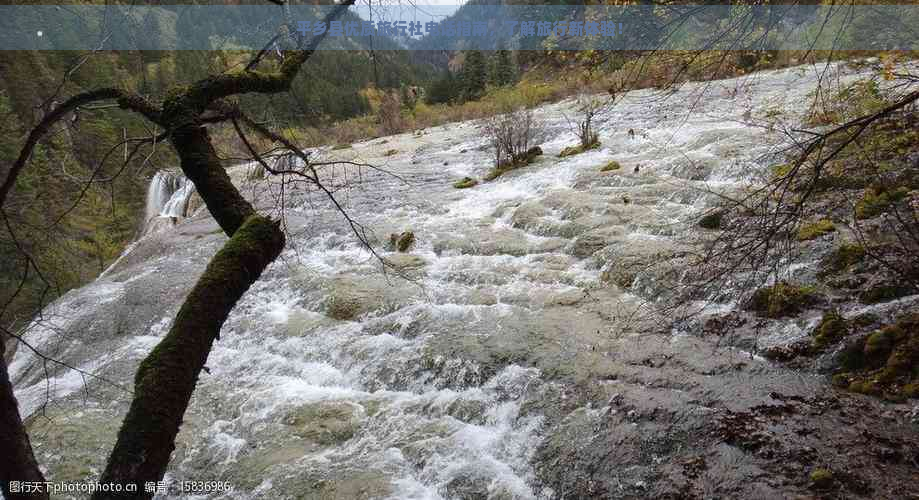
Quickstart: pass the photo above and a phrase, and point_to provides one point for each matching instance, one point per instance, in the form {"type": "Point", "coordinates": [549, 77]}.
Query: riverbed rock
{"type": "Point", "coordinates": [405, 261]}
{"type": "Point", "coordinates": [348, 297]}
{"type": "Point", "coordinates": [324, 423]}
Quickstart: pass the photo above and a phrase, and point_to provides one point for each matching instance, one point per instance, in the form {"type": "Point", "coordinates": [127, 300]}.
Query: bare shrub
{"type": "Point", "coordinates": [511, 135]}
{"type": "Point", "coordinates": [390, 114]}
{"type": "Point", "coordinates": [590, 109]}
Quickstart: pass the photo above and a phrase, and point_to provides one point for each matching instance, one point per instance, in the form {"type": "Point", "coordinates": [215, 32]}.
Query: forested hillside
{"type": "Point", "coordinates": [72, 242]}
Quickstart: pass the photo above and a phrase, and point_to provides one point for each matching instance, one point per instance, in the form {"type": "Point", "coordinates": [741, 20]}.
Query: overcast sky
{"type": "Point", "coordinates": [402, 10]}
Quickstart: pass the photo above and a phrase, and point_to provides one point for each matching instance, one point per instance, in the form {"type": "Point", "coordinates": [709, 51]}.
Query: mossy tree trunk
{"type": "Point", "coordinates": [17, 463]}
{"type": "Point", "coordinates": [166, 379]}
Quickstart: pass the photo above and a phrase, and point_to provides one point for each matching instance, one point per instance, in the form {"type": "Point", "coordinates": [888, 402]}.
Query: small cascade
{"type": "Point", "coordinates": [505, 358]}
{"type": "Point", "coordinates": [167, 198]}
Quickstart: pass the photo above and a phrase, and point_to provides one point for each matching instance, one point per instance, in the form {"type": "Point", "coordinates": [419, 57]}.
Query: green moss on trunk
{"type": "Point", "coordinates": [17, 463]}
{"type": "Point", "coordinates": [167, 377]}
{"type": "Point", "coordinates": [201, 165]}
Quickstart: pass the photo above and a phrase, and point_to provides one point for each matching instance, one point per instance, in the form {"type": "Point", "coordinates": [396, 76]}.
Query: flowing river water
{"type": "Point", "coordinates": [497, 358]}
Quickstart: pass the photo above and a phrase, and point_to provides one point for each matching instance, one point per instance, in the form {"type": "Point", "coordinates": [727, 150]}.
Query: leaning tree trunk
{"type": "Point", "coordinates": [166, 379]}
{"type": "Point", "coordinates": [17, 463]}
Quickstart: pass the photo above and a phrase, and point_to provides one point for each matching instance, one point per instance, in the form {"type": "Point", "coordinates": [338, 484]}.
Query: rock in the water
{"type": "Point", "coordinates": [589, 243]}
{"type": "Point", "coordinates": [405, 261]}
{"type": "Point", "coordinates": [465, 182]}
{"type": "Point", "coordinates": [402, 242]}
{"type": "Point", "coordinates": [528, 214]}
{"type": "Point", "coordinates": [194, 203]}
{"type": "Point", "coordinates": [324, 423]}
{"type": "Point", "coordinates": [349, 297]}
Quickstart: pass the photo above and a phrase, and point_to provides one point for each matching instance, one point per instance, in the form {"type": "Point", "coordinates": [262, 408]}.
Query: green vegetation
{"type": "Point", "coordinates": [781, 170]}
{"type": "Point", "coordinates": [815, 230]}
{"type": "Point", "coordinates": [504, 71]}
{"type": "Point", "coordinates": [883, 292]}
{"type": "Point", "coordinates": [611, 166]}
{"type": "Point", "coordinates": [886, 362]}
{"type": "Point", "coordinates": [859, 98]}
{"type": "Point", "coordinates": [402, 242]}
{"type": "Point", "coordinates": [474, 76]}
{"type": "Point", "coordinates": [831, 329]}
{"type": "Point", "coordinates": [465, 182]}
{"type": "Point", "coordinates": [878, 200]}
{"type": "Point", "coordinates": [822, 479]}
{"type": "Point", "coordinates": [576, 150]}
{"type": "Point", "coordinates": [88, 237]}
{"type": "Point", "coordinates": [782, 299]}
{"type": "Point", "coordinates": [711, 221]}
{"type": "Point", "coordinates": [843, 257]}
{"type": "Point", "coordinates": [479, 76]}
{"type": "Point", "coordinates": [85, 237]}
{"type": "Point", "coordinates": [515, 163]}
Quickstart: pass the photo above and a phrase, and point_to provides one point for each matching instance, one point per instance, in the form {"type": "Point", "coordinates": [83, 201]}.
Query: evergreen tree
{"type": "Point", "coordinates": [503, 72]}
{"type": "Point", "coordinates": [474, 76]}
{"type": "Point", "coordinates": [443, 90]}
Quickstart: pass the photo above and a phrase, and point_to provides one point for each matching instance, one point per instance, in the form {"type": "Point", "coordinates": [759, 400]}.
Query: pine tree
{"type": "Point", "coordinates": [504, 72]}
{"type": "Point", "coordinates": [474, 76]}
{"type": "Point", "coordinates": [443, 90]}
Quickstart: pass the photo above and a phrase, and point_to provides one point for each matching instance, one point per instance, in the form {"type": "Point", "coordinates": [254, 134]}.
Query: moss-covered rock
{"type": "Point", "coordinates": [324, 423]}
{"type": "Point", "coordinates": [402, 242]}
{"type": "Point", "coordinates": [405, 261]}
{"type": "Point", "coordinates": [842, 257]}
{"type": "Point", "coordinates": [711, 221]}
{"type": "Point", "coordinates": [782, 299]}
{"type": "Point", "coordinates": [339, 147]}
{"type": "Point", "coordinates": [911, 390]}
{"type": "Point", "coordinates": [822, 479]}
{"type": "Point", "coordinates": [580, 148]}
{"type": "Point", "coordinates": [611, 166]}
{"type": "Point", "coordinates": [349, 296]}
{"type": "Point", "coordinates": [883, 292]}
{"type": "Point", "coordinates": [465, 182]}
{"type": "Point", "coordinates": [879, 344]}
{"type": "Point", "coordinates": [815, 230]}
{"type": "Point", "coordinates": [831, 329]}
{"type": "Point", "coordinates": [878, 200]}
{"type": "Point", "coordinates": [518, 161]}
{"type": "Point", "coordinates": [781, 170]}
{"type": "Point", "coordinates": [391, 152]}
{"type": "Point", "coordinates": [886, 362]}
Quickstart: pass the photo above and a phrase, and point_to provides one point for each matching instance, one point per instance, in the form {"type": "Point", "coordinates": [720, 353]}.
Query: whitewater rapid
{"type": "Point", "coordinates": [432, 378]}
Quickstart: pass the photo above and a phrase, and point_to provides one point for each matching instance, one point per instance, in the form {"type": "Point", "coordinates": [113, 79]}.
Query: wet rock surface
{"type": "Point", "coordinates": [517, 347]}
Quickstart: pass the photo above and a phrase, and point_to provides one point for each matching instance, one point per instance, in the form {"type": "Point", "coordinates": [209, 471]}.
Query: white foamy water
{"type": "Point", "coordinates": [425, 392]}
{"type": "Point", "coordinates": [167, 195]}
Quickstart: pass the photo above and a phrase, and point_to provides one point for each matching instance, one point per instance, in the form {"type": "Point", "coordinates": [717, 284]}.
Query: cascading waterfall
{"type": "Point", "coordinates": [332, 381]}
{"type": "Point", "coordinates": [167, 196]}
